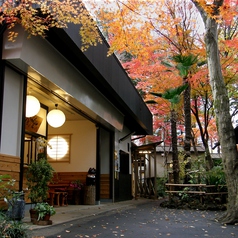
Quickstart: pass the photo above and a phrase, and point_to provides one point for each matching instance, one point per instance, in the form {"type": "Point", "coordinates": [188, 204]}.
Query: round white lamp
{"type": "Point", "coordinates": [55, 117]}
{"type": "Point", "coordinates": [32, 106]}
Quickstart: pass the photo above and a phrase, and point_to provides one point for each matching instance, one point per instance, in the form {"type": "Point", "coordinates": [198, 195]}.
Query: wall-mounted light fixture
{"type": "Point", "coordinates": [56, 117]}
{"type": "Point", "coordinates": [32, 106]}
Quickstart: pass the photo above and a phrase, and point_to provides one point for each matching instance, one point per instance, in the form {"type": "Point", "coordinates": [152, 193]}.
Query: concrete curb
{"type": "Point", "coordinates": [74, 212]}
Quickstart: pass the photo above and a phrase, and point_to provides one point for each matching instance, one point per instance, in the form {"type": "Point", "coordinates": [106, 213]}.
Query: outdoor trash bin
{"type": "Point", "coordinates": [91, 177]}
{"type": "Point", "coordinates": [89, 195]}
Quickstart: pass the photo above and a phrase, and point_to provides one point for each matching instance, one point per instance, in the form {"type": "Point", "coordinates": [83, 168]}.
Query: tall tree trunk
{"type": "Point", "coordinates": [208, 157]}
{"type": "Point", "coordinates": [174, 146]}
{"type": "Point", "coordinates": [204, 131]}
{"type": "Point", "coordinates": [188, 129]}
{"type": "Point", "coordinates": [221, 105]}
{"type": "Point", "coordinates": [187, 120]}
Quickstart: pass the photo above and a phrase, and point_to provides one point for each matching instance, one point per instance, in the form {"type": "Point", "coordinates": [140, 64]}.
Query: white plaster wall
{"type": "Point", "coordinates": [12, 113]}
{"type": "Point", "coordinates": [123, 145]}
{"type": "Point", "coordinates": [83, 146]}
{"type": "Point", "coordinates": [105, 152]}
{"type": "Point", "coordinates": [160, 168]}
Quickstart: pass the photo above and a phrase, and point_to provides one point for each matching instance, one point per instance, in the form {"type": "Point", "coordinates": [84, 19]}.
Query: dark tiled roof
{"type": "Point", "coordinates": [161, 149]}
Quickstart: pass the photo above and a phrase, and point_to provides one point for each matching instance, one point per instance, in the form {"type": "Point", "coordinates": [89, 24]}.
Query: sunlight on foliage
{"type": "Point", "coordinates": [38, 16]}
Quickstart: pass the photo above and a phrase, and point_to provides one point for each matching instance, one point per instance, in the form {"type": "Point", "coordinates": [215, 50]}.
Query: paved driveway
{"type": "Point", "coordinates": [147, 220]}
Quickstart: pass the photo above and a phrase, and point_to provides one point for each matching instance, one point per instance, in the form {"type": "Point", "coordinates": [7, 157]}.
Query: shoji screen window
{"type": "Point", "coordinates": [60, 148]}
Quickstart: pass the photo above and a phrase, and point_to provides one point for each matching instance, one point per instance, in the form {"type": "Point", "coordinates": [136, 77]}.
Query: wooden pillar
{"type": "Point", "coordinates": [155, 173]}
{"type": "Point", "coordinates": [140, 175]}
{"type": "Point", "coordinates": [98, 163]}
{"type": "Point", "coordinates": [136, 174]}
{"type": "Point", "coordinates": [149, 175]}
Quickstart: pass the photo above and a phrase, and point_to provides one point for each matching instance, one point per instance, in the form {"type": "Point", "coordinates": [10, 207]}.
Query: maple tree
{"type": "Point", "coordinates": [228, 33]}
{"type": "Point", "coordinates": [176, 36]}
{"type": "Point", "coordinates": [212, 14]}
{"type": "Point", "coordinates": [38, 16]}
{"type": "Point", "coordinates": [202, 110]}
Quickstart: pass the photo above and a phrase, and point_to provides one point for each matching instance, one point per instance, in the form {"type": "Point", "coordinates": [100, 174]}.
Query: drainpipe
{"type": "Point", "coordinates": [98, 164]}
{"type": "Point", "coordinates": [2, 30]}
{"type": "Point", "coordinates": [112, 167]}
{"type": "Point", "coordinates": [155, 173]}
{"type": "Point", "coordinates": [23, 134]}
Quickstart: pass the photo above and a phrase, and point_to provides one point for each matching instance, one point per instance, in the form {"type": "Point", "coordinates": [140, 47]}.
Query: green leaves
{"type": "Point", "coordinates": [184, 63]}
{"type": "Point", "coordinates": [43, 209]}
{"type": "Point", "coordinates": [171, 94]}
{"type": "Point", "coordinates": [38, 175]}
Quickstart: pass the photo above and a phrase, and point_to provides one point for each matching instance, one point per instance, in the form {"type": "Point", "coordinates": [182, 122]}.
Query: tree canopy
{"type": "Point", "coordinates": [38, 16]}
{"type": "Point", "coordinates": [151, 31]}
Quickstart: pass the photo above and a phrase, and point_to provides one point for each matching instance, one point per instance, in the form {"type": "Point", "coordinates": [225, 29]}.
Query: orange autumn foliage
{"type": "Point", "coordinates": [38, 16]}
{"type": "Point", "coordinates": [153, 31]}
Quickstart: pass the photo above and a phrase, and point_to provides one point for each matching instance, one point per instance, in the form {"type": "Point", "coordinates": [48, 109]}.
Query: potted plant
{"type": "Point", "coordinates": [38, 176]}
{"type": "Point", "coordinates": [76, 185]}
{"type": "Point", "coordinates": [44, 211]}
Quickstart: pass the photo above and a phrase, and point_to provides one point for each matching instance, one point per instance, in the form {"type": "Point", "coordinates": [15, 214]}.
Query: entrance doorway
{"type": "Point", "coordinates": [123, 182]}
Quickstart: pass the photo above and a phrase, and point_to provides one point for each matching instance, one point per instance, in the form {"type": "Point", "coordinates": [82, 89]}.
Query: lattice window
{"type": "Point", "coordinates": [60, 151]}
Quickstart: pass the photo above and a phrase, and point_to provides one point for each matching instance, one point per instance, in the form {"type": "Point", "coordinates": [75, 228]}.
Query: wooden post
{"type": "Point", "coordinates": [155, 174]}
{"type": "Point", "coordinates": [136, 175]}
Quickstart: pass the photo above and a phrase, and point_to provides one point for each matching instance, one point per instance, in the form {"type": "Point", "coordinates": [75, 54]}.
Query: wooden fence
{"type": "Point", "coordinates": [10, 165]}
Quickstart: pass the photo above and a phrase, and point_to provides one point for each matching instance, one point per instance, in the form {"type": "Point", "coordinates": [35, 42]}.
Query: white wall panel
{"type": "Point", "coordinates": [83, 146]}
{"type": "Point", "coordinates": [12, 113]}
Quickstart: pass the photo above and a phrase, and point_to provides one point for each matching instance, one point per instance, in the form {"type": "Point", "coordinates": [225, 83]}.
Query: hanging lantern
{"type": "Point", "coordinates": [32, 106]}
{"type": "Point", "coordinates": [55, 117]}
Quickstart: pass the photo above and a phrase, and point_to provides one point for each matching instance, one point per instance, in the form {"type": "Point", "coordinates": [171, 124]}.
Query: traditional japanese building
{"type": "Point", "coordinates": [101, 106]}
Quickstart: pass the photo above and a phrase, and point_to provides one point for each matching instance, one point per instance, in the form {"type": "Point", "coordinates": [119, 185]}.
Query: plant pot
{"type": "Point", "coordinates": [77, 197]}
{"type": "Point", "coordinates": [33, 215]}
{"type": "Point", "coordinates": [46, 217]}
{"type": "Point", "coordinates": [43, 222]}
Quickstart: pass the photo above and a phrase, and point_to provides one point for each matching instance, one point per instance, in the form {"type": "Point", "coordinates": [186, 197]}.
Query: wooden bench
{"type": "Point", "coordinates": [60, 192]}
{"type": "Point", "coordinates": [65, 178]}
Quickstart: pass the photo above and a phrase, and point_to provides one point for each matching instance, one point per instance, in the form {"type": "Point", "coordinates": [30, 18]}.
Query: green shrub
{"type": "Point", "coordinates": [38, 175]}
{"type": "Point", "coordinates": [197, 172]}
{"type": "Point", "coordinates": [161, 186]}
{"type": "Point", "coordinates": [182, 166]}
{"type": "Point", "coordinates": [12, 229]}
{"type": "Point", "coordinates": [216, 176]}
